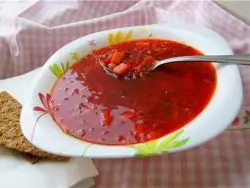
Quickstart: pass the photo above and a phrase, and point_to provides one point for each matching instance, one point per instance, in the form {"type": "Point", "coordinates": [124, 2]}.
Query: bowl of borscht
{"type": "Point", "coordinates": [76, 109]}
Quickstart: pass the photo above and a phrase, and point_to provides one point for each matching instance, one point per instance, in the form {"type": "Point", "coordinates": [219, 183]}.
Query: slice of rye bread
{"type": "Point", "coordinates": [11, 135]}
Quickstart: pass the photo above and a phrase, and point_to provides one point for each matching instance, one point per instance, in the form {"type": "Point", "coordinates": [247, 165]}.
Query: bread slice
{"type": "Point", "coordinates": [11, 135]}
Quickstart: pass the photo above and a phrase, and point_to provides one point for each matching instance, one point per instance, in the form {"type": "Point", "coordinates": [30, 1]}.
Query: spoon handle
{"type": "Point", "coordinates": [227, 59]}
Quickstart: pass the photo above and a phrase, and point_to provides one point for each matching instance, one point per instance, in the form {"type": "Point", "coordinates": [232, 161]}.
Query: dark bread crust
{"type": "Point", "coordinates": [11, 135]}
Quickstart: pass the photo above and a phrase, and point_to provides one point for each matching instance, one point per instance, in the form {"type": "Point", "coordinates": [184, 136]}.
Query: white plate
{"type": "Point", "coordinates": [219, 113]}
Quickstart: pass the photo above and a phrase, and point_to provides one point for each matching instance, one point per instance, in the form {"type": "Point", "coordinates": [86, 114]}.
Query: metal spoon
{"type": "Point", "coordinates": [224, 59]}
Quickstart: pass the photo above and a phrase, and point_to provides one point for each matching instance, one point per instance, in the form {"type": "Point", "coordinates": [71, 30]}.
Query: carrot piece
{"type": "Point", "coordinates": [106, 118]}
{"type": "Point", "coordinates": [129, 115]}
{"type": "Point", "coordinates": [106, 60]}
{"type": "Point", "coordinates": [111, 66]}
{"type": "Point", "coordinates": [121, 69]}
{"type": "Point", "coordinates": [116, 58]}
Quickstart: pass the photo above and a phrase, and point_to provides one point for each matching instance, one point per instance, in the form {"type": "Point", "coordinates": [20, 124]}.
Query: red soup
{"type": "Point", "coordinates": [96, 107]}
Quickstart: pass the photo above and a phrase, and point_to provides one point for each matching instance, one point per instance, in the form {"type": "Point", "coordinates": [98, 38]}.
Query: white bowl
{"type": "Point", "coordinates": [42, 132]}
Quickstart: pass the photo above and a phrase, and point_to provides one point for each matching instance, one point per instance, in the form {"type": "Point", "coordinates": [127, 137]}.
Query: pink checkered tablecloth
{"type": "Point", "coordinates": [32, 31]}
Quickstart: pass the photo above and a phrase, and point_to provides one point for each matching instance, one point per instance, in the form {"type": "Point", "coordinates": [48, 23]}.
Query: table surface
{"type": "Point", "coordinates": [223, 162]}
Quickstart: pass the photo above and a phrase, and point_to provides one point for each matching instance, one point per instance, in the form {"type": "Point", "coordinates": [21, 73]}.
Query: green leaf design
{"type": "Point", "coordinates": [53, 70]}
{"type": "Point", "coordinates": [169, 139]}
{"type": "Point", "coordinates": [63, 67]}
{"type": "Point", "coordinates": [140, 150]}
{"type": "Point", "coordinates": [140, 154]}
{"type": "Point", "coordinates": [151, 146]}
{"type": "Point", "coordinates": [175, 144]}
{"type": "Point", "coordinates": [154, 147]}
{"type": "Point", "coordinates": [74, 56]}
{"type": "Point", "coordinates": [86, 149]}
{"type": "Point", "coordinates": [67, 65]}
{"type": "Point", "coordinates": [58, 71]}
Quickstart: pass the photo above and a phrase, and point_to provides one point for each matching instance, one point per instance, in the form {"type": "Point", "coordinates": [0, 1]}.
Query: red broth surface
{"type": "Point", "coordinates": [95, 107]}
